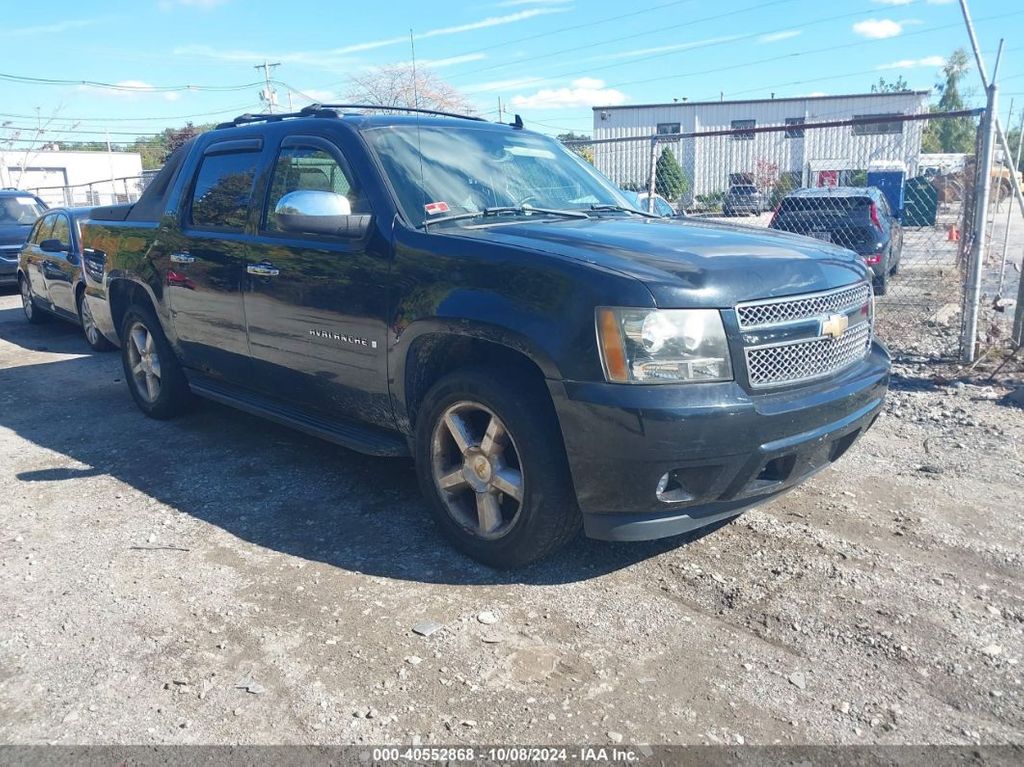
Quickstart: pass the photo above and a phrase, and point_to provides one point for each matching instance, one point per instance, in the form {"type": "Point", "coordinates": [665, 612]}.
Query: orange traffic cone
{"type": "Point", "coordinates": [953, 234]}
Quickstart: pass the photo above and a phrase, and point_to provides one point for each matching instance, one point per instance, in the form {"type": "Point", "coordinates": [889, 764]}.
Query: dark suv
{"type": "Point", "coordinates": [475, 296]}
{"type": "Point", "coordinates": [854, 217]}
{"type": "Point", "coordinates": [18, 212]}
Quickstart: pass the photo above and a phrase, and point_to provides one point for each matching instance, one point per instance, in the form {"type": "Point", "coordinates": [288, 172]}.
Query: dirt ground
{"type": "Point", "coordinates": [217, 579]}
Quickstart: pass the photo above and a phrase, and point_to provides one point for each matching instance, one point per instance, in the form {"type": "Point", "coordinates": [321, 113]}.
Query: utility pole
{"type": "Point", "coordinates": [268, 94]}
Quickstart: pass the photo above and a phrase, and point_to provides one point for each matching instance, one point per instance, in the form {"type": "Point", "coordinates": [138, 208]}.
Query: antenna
{"type": "Point", "coordinates": [415, 85]}
{"type": "Point", "coordinates": [416, 105]}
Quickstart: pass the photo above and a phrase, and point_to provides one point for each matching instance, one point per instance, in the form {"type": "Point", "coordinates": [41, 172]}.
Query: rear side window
{"type": "Point", "coordinates": [43, 229]}
{"type": "Point", "coordinates": [61, 230]}
{"type": "Point", "coordinates": [222, 194]}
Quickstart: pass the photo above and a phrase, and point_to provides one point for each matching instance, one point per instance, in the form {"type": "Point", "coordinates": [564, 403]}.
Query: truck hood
{"type": "Point", "coordinates": [688, 263]}
{"type": "Point", "coordinates": [15, 234]}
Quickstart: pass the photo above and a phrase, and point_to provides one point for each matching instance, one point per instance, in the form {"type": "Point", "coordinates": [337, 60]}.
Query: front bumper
{"type": "Point", "coordinates": [725, 448]}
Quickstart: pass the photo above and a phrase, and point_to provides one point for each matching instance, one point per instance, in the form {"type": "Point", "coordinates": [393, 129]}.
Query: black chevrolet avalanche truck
{"type": "Point", "coordinates": [475, 296]}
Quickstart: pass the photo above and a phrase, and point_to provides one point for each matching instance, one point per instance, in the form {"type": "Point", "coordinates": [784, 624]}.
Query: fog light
{"type": "Point", "coordinates": [671, 490]}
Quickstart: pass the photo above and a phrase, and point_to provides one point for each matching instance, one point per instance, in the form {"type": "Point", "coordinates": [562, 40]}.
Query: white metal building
{"type": "Point", "coordinates": [810, 157]}
{"type": "Point", "coordinates": [73, 178]}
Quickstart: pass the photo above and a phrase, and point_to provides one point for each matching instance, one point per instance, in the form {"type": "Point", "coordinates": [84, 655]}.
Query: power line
{"type": "Point", "coordinates": [229, 110]}
{"type": "Point", "coordinates": [123, 87]}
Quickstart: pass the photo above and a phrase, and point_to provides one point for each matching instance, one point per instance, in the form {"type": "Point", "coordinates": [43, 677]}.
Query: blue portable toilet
{"type": "Point", "coordinates": [889, 176]}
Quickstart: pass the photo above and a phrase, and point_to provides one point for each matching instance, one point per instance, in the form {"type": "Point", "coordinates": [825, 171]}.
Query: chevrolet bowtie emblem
{"type": "Point", "coordinates": [835, 325]}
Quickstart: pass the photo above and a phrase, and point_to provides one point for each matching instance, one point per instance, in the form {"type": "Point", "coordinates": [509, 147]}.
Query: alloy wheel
{"type": "Point", "coordinates": [92, 333]}
{"type": "Point", "coordinates": [144, 362]}
{"type": "Point", "coordinates": [477, 470]}
{"type": "Point", "coordinates": [26, 298]}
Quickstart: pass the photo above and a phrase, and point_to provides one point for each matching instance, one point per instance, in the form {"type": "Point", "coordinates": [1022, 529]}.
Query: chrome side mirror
{"type": "Point", "coordinates": [313, 211]}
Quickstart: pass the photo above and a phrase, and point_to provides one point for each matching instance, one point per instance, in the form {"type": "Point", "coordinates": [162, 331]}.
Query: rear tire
{"type": "Point", "coordinates": [151, 369]}
{"type": "Point", "coordinates": [881, 284]}
{"type": "Point", "coordinates": [33, 313]}
{"type": "Point", "coordinates": [96, 340]}
{"type": "Point", "coordinates": [491, 462]}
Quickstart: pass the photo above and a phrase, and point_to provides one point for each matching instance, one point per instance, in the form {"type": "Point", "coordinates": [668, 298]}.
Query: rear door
{"type": "Point", "coordinates": [316, 305]}
{"type": "Point", "coordinates": [60, 270]}
{"type": "Point", "coordinates": [207, 260]}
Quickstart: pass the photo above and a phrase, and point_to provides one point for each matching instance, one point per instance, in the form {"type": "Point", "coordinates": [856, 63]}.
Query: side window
{"type": "Point", "coordinates": [309, 168]}
{"type": "Point", "coordinates": [43, 229]}
{"type": "Point", "coordinates": [222, 193]}
{"type": "Point", "coordinates": [61, 230]}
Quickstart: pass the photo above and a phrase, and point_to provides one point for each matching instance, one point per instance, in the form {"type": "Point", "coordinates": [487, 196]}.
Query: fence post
{"type": "Point", "coordinates": [652, 178]}
{"type": "Point", "coordinates": [972, 296]}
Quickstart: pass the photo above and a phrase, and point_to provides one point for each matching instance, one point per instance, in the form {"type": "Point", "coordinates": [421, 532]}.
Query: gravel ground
{"type": "Point", "coordinates": [217, 579]}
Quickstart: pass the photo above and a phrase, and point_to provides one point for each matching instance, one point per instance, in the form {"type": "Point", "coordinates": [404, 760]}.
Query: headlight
{"type": "Point", "coordinates": [663, 345]}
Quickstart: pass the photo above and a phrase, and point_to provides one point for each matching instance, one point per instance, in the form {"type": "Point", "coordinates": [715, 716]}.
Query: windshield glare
{"type": "Point", "coordinates": [19, 210]}
{"type": "Point", "coordinates": [438, 171]}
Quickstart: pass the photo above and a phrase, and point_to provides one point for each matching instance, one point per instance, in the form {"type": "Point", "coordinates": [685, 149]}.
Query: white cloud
{"type": "Point", "coordinates": [340, 57]}
{"type": "Point", "coordinates": [451, 61]}
{"type": "Point", "coordinates": [50, 29]}
{"type": "Point", "coordinates": [928, 61]}
{"type": "Point", "coordinates": [167, 5]}
{"type": "Point", "coordinates": [492, 21]}
{"type": "Point", "coordinates": [774, 37]}
{"type": "Point", "coordinates": [584, 92]}
{"type": "Point", "coordinates": [129, 89]}
{"type": "Point", "coordinates": [878, 29]}
{"type": "Point", "coordinates": [501, 86]}
{"type": "Point", "coordinates": [517, 3]}
{"type": "Point", "coordinates": [660, 49]}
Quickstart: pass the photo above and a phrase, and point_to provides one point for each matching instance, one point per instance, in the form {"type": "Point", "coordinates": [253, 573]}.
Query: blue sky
{"type": "Point", "coordinates": [549, 60]}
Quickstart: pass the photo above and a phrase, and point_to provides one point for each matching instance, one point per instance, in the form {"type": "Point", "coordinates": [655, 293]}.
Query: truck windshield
{"type": "Point", "coordinates": [19, 210]}
{"type": "Point", "coordinates": [438, 172]}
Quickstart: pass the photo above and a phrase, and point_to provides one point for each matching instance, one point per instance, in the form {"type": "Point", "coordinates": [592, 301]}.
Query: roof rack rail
{"type": "Point", "coordinates": [329, 110]}
{"type": "Point", "coordinates": [413, 110]}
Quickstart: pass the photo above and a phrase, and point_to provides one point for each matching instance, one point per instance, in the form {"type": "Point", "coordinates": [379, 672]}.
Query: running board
{"type": "Point", "coordinates": [362, 438]}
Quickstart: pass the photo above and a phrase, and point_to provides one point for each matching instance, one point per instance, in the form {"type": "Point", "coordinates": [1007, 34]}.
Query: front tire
{"type": "Point", "coordinates": [152, 370]}
{"type": "Point", "coordinates": [33, 313]}
{"type": "Point", "coordinates": [96, 340]}
{"type": "Point", "coordinates": [491, 462]}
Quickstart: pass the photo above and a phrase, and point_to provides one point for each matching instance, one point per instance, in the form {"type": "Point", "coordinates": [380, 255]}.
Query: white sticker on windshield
{"type": "Point", "coordinates": [433, 208]}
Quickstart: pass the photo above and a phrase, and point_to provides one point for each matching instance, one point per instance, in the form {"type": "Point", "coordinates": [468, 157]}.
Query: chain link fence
{"type": "Point", "coordinates": [864, 184]}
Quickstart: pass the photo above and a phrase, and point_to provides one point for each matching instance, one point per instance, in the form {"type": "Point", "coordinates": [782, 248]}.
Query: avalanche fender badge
{"type": "Point", "coordinates": [433, 208]}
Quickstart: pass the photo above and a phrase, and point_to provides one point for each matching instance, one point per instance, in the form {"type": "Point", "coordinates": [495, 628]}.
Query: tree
{"type": "Point", "coordinates": [669, 180]}
{"type": "Point", "coordinates": [583, 150]}
{"type": "Point", "coordinates": [956, 134]}
{"type": "Point", "coordinates": [883, 86]}
{"type": "Point", "coordinates": [399, 85]}
{"type": "Point", "coordinates": [1012, 140]}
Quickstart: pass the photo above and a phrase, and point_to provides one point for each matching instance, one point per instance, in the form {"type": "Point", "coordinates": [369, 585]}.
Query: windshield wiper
{"type": "Point", "coordinates": [621, 209]}
{"type": "Point", "coordinates": [506, 210]}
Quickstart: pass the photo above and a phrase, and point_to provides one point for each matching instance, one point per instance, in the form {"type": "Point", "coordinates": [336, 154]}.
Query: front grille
{"type": "Point", "coordinates": [789, 363]}
{"type": "Point", "coordinates": [776, 311]}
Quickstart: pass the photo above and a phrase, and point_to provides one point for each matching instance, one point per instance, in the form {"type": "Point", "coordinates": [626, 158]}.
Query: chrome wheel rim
{"type": "Point", "coordinates": [144, 362]}
{"type": "Point", "coordinates": [26, 298]}
{"type": "Point", "coordinates": [88, 323]}
{"type": "Point", "coordinates": [477, 470]}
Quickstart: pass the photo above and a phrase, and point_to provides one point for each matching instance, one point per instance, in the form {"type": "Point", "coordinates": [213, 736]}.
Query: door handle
{"type": "Point", "coordinates": [263, 270]}
{"type": "Point", "coordinates": [182, 258]}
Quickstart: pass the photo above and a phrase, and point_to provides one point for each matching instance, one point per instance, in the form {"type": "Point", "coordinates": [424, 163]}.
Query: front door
{"type": "Point", "coordinates": [316, 305]}
{"type": "Point", "coordinates": [60, 270]}
{"type": "Point", "coordinates": [206, 262]}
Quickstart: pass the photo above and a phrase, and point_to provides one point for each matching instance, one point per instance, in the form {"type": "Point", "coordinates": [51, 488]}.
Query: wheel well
{"type": "Point", "coordinates": [434, 356]}
{"type": "Point", "coordinates": [122, 294]}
